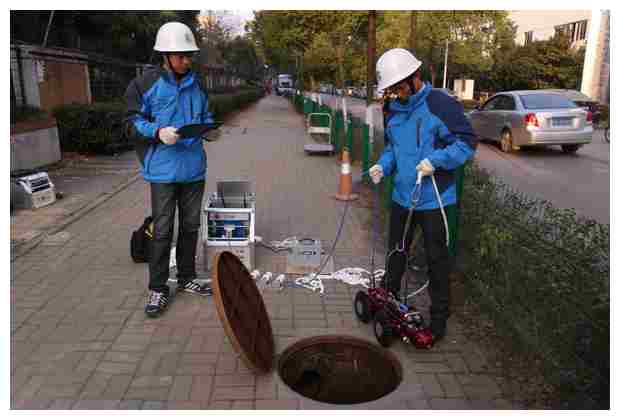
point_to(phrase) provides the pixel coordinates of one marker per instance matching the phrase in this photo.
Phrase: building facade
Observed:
(585, 28)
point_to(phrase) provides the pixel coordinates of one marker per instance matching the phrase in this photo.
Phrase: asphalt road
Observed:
(579, 181)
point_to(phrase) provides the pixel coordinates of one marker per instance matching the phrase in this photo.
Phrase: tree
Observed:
(286, 39)
(128, 35)
(540, 65)
(241, 57)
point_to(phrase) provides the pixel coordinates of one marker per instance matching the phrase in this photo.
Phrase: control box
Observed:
(228, 222)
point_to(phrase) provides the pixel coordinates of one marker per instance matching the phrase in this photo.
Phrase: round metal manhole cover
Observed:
(339, 370)
(242, 312)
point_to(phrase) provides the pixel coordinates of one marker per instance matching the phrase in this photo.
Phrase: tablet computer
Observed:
(197, 130)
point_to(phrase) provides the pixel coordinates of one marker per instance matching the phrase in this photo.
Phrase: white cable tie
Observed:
(279, 279)
(266, 277)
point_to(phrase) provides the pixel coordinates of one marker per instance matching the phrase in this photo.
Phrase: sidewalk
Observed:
(80, 338)
(84, 182)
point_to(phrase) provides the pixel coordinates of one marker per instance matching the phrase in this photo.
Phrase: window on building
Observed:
(575, 31)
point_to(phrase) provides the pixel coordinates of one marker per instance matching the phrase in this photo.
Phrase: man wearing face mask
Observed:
(159, 102)
(427, 134)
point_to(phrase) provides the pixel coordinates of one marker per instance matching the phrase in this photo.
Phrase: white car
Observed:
(532, 118)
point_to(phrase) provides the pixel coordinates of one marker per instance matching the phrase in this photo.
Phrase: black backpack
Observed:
(142, 241)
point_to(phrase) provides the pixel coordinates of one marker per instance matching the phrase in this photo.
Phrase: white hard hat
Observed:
(395, 65)
(175, 37)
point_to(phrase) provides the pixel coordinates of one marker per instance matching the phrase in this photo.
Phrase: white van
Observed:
(285, 85)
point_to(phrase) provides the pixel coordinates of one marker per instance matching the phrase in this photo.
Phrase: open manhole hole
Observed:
(332, 369)
(339, 370)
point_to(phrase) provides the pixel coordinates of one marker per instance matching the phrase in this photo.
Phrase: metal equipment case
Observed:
(228, 222)
(304, 256)
(32, 191)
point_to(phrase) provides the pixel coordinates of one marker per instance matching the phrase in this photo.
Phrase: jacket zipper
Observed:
(418, 133)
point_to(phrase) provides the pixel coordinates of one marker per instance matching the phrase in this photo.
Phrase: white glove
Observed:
(376, 173)
(168, 135)
(214, 134)
(425, 167)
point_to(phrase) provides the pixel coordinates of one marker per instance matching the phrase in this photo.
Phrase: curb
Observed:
(26, 247)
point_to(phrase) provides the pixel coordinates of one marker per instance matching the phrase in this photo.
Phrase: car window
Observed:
(492, 104)
(501, 103)
(545, 101)
(508, 104)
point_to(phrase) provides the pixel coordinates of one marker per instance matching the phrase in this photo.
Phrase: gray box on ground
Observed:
(305, 255)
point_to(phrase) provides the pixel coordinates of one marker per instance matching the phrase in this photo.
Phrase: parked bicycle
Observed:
(605, 127)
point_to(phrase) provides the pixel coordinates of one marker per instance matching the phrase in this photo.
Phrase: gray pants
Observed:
(165, 198)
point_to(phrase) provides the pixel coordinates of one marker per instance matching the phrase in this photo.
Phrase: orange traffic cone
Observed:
(346, 180)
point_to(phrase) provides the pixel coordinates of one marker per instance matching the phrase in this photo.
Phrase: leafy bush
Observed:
(21, 113)
(543, 274)
(99, 127)
(604, 109)
(222, 104)
(90, 128)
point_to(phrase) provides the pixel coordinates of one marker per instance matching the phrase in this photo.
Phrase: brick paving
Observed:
(80, 339)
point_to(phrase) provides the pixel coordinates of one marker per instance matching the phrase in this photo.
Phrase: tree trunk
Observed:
(370, 75)
(340, 55)
(431, 68)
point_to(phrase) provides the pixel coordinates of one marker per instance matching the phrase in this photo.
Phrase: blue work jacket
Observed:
(430, 125)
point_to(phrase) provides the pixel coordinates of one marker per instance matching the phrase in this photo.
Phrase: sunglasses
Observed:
(188, 55)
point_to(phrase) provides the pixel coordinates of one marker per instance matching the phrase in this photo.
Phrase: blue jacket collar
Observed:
(185, 81)
(413, 102)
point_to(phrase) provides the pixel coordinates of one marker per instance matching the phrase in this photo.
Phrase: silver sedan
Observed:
(532, 118)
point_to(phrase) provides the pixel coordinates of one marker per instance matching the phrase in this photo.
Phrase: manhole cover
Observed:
(242, 312)
(339, 370)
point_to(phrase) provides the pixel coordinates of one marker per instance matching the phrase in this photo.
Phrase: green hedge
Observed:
(91, 128)
(543, 276)
(21, 113)
(604, 113)
(99, 127)
(221, 104)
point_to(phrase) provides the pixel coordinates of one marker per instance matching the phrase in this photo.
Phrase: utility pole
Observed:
(412, 33)
(370, 75)
(445, 66)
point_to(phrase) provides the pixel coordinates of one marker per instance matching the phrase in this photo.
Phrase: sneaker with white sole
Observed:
(193, 286)
(156, 304)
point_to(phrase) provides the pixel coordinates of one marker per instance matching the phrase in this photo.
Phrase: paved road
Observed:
(579, 181)
(80, 338)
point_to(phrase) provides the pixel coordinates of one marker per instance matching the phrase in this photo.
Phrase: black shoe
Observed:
(193, 286)
(438, 329)
(156, 304)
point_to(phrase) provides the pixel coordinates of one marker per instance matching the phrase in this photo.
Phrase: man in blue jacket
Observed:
(159, 102)
(428, 136)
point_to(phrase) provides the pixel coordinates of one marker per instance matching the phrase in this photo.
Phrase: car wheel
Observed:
(570, 148)
(362, 307)
(506, 142)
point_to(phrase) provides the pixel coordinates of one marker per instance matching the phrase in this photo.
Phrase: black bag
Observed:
(142, 241)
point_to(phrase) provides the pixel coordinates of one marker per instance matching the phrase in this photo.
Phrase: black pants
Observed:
(438, 258)
(164, 200)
